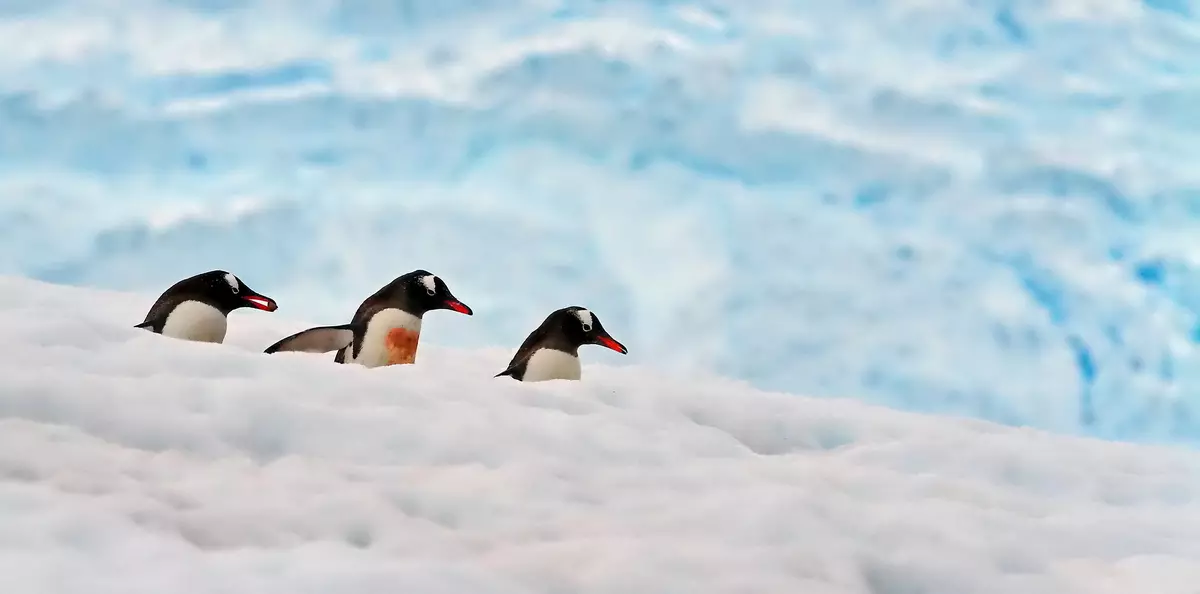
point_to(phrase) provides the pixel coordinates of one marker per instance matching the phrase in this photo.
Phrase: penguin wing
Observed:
(156, 318)
(321, 339)
(525, 350)
(512, 368)
(155, 321)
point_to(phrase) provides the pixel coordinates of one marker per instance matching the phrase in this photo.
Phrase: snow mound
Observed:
(134, 463)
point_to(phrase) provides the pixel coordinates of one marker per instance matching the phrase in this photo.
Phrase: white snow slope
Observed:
(131, 463)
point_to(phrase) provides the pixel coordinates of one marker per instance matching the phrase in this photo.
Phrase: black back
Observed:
(218, 288)
(562, 330)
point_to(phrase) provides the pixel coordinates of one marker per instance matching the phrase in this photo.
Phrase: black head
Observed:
(421, 291)
(224, 291)
(579, 326)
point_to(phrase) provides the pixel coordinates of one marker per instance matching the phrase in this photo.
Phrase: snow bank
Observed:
(135, 464)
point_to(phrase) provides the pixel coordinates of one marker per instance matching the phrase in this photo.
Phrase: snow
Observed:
(984, 208)
(135, 463)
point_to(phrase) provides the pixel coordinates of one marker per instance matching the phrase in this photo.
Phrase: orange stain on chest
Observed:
(402, 346)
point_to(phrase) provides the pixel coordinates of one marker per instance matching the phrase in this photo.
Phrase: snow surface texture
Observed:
(980, 207)
(136, 464)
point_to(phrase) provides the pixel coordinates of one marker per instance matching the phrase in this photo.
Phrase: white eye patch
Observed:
(430, 282)
(585, 318)
(232, 280)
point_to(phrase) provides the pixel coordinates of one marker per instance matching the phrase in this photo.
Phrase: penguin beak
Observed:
(260, 302)
(605, 340)
(458, 306)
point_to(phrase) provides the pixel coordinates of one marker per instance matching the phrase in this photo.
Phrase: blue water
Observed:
(981, 208)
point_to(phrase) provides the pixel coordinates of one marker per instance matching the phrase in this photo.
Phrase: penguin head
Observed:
(422, 291)
(227, 292)
(580, 326)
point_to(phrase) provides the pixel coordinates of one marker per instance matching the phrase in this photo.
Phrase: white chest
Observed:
(193, 320)
(379, 341)
(548, 364)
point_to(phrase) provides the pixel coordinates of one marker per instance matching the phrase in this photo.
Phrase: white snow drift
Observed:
(133, 463)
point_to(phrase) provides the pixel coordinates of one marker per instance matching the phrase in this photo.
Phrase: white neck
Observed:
(548, 364)
(374, 351)
(193, 320)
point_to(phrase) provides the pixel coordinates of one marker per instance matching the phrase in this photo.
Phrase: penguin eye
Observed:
(587, 327)
(235, 290)
(430, 292)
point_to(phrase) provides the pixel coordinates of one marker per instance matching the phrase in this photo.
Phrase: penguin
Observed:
(196, 307)
(385, 329)
(551, 351)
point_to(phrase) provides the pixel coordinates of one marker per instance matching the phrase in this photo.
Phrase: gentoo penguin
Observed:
(385, 329)
(195, 308)
(551, 351)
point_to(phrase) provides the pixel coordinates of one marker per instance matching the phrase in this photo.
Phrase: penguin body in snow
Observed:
(551, 351)
(386, 328)
(196, 308)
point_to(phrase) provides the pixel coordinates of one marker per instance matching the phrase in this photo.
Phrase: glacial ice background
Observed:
(979, 208)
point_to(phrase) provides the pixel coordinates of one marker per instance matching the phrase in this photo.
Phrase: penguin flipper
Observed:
(147, 325)
(524, 352)
(321, 339)
(516, 367)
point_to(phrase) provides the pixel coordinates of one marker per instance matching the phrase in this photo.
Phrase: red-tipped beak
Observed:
(459, 307)
(260, 302)
(607, 341)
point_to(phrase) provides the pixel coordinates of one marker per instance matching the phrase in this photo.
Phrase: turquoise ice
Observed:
(977, 208)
